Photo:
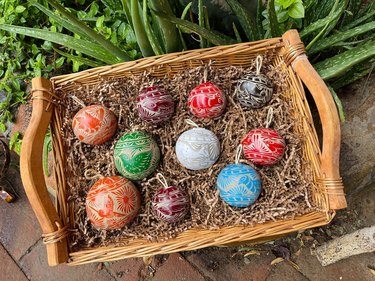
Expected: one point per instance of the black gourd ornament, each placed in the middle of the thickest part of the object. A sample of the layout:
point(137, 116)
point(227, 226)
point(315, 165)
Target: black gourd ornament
point(254, 90)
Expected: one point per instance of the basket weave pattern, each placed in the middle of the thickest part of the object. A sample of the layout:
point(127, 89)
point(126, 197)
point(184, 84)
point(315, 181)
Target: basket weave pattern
point(286, 52)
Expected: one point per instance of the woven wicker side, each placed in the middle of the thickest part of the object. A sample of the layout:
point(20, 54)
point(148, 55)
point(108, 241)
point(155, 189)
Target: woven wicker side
point(32, 173)
point(330, 177)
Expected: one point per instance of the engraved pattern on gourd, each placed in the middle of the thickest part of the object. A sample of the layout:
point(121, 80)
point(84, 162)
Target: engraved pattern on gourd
point(197, 148)
point(112, 202)
point(155, 105)
point(94, 124)
point(207, 101)
point(263, 146)
point(171, 204)
point(239, 185)
point(136, 155)
point(254, 91)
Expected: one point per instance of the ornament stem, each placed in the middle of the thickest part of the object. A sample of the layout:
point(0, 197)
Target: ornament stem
point(91, 174)
point(205, 74)
point(238, 153)
point(259, 62)
point(162, 180)
point(78, 101)
point(191, 123)
point(269, 117)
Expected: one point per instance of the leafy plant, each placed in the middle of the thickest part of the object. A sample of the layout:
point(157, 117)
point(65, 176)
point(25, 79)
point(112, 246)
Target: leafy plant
point(15, 143)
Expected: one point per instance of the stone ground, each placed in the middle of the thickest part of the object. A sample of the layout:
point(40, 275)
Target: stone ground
point(23, 255)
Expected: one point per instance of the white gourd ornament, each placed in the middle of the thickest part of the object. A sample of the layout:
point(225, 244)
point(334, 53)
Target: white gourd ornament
point(197, 148)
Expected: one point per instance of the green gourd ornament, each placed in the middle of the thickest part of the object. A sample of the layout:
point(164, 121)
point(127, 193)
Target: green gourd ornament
point(136, 155)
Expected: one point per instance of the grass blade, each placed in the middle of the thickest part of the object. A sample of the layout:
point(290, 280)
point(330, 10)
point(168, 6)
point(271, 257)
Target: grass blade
point(126, 9)
point(139, 29)
point(274, 24)
point(212, 37)
point(82, 60)
point(245, 19)
point(355, 73)
point(61, 21)
point(339, 106)
point(339, 37)
point(113, 5)
point(155, 45)
point(321, 23)
point(358, 21)
point(106, 44)
point(184, 13)
point(83, 46)
point(235, 30)
point(201, 22)
point(259, 23)
point(339, 64)
point(169, 31)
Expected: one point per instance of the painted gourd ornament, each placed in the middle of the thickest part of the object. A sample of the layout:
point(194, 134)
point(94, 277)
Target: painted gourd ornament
point(94, 124)
point(170, 203)
point(254, 90)
point(239, 185)
point(136, 155)
point(155, 105)
point(197, 149)
point(207, 101)
point(263, 146)
point(112, 203)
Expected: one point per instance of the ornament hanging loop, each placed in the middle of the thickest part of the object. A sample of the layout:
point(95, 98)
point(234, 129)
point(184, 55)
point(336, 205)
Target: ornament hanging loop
point(162, 180)
point(238, 153)
point(78, 101)
point(91, 174)
point(259, 63)
point(205, 75)
point(269, 117)
point(191, 123)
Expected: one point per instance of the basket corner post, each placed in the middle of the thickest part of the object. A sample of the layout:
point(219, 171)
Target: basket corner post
point(31, 169)
point(330, 179)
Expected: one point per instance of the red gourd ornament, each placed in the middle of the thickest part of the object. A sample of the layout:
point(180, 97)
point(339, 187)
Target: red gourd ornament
point(155, 105)
point(112, 203)
point(264, 146)
point(170, 203)
point(94, 124)
point(207, 100)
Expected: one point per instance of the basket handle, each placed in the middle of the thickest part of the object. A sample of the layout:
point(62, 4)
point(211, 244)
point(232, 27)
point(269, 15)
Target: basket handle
point(31, 167)
point(295, 55)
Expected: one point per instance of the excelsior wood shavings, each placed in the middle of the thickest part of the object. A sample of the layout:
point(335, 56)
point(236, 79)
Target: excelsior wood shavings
point(286, 185)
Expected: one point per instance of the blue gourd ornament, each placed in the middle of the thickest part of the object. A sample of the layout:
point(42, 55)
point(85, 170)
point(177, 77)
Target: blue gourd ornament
point(239, 184)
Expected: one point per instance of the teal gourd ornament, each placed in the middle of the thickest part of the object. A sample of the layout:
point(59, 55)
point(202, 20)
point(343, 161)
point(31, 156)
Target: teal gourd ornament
point(136, 155)
point(239, 184)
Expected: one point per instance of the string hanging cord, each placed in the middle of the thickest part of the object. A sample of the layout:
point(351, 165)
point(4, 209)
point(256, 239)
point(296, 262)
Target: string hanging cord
point(78, 101)
point(91, 174)
point(259, 63)
point(238, 154)
point(162, 180)
point(269, 118)
point(191, 123)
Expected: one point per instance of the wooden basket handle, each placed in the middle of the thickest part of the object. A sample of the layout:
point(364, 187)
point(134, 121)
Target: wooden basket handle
point(295, 55)
point(31, 166)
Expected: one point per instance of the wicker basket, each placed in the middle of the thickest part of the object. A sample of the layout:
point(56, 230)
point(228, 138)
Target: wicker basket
point(287, 51)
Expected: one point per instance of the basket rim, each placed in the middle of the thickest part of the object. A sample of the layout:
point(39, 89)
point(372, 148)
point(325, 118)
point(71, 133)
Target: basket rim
point(326, 179)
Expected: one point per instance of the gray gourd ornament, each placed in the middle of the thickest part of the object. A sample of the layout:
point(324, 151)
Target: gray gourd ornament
point(254, 90)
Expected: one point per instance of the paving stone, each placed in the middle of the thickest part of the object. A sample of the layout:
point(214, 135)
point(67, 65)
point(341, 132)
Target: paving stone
point(35, 266)
point(352, 269)
point(19, 228)
point(9, 269)
point(176, 268)
point(219, 265)
point(125, 270)
point(285, 272)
